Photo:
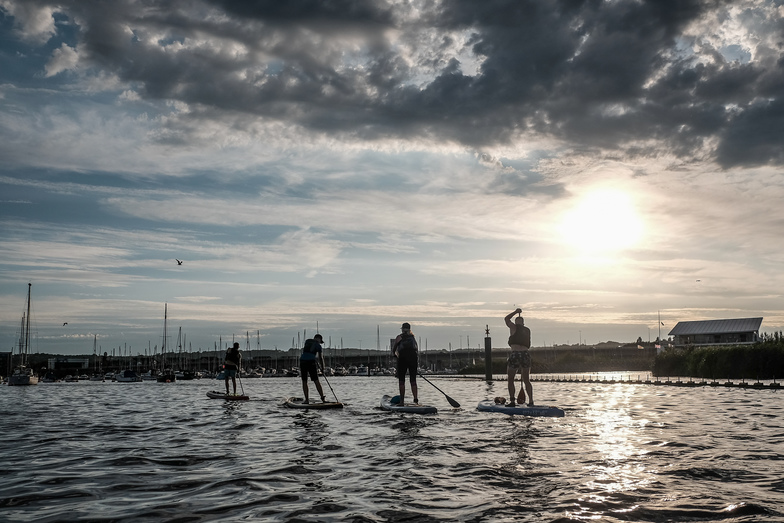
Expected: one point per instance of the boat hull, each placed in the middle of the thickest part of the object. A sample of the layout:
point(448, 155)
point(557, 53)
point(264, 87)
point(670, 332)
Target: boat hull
point(21, 380)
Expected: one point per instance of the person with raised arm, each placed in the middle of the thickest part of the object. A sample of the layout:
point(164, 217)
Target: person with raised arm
point(519, 358)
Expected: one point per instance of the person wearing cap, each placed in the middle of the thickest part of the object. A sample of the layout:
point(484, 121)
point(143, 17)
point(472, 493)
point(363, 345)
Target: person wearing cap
point(519, 358)
point(311, 355)
point(231, 365)
point(406, 351)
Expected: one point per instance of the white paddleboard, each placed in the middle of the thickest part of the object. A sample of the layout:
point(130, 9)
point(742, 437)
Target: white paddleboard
point(387, 403)
point(522, 410)
point(299, 403)
point(214, 394)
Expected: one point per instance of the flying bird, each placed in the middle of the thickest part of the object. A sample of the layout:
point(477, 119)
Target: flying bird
point(178, 261)
point(64, 324)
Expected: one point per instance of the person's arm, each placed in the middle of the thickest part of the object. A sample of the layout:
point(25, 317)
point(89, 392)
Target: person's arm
point(395, 344)
point(508, 318)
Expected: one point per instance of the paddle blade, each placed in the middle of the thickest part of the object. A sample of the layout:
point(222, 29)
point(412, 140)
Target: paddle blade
point(452, 402)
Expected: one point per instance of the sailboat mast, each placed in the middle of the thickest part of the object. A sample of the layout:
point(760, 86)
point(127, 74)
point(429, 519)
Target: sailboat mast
point(27, 325)
point(163, 344)
point(22, 333)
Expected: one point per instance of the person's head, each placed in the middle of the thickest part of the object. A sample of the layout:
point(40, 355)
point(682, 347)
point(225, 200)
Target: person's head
point(318, 338)
point(519, 321)
point(236, 345)
point(406, 327)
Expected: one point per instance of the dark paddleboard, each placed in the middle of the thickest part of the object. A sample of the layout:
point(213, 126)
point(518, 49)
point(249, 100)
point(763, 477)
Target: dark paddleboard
point(520, 410)
point(299, 403)
point(214, 394)
point(391, 403)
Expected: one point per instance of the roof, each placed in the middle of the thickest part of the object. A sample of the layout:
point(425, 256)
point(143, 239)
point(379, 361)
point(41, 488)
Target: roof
point(687, 328)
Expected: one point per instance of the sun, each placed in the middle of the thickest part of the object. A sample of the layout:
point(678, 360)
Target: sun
point(603, 220)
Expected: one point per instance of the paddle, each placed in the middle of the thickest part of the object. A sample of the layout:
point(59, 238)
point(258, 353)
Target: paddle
point(450, 400)
point(324, 374)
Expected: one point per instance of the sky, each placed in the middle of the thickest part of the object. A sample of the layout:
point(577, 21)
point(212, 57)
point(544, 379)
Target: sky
point(350, 165)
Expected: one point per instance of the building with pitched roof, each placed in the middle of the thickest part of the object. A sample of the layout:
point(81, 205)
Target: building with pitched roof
point(716, 332)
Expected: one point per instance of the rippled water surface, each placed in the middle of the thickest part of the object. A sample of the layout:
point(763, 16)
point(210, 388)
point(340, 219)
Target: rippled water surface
point(165, 452)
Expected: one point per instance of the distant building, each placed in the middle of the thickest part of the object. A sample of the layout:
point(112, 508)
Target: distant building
point(716, 332)
point(64, 362)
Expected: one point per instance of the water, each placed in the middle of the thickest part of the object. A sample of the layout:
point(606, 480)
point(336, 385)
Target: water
point(92, 451)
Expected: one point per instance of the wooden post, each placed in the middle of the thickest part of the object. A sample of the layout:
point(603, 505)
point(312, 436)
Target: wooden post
point(488, 355)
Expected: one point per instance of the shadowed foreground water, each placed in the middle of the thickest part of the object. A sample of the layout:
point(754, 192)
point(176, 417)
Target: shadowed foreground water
point(165, 452)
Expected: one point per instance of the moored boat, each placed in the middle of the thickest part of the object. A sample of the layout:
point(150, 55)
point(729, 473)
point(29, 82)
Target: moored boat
point(22, 374)
point(166, 375)
point(127, 376)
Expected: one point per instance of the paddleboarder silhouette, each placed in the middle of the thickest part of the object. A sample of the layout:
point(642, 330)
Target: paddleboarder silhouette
point(519, 358)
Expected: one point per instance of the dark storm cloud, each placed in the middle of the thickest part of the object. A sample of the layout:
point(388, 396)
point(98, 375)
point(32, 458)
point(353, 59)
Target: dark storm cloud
point(608, 75)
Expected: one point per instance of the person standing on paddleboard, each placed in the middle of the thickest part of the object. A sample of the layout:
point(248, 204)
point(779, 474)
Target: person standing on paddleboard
point(232, 365)
point(311, 353)
point(519, 359)
point(406, 351)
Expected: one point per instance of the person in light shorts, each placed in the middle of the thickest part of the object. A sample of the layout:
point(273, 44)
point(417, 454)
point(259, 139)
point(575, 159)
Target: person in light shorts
point(519, 359)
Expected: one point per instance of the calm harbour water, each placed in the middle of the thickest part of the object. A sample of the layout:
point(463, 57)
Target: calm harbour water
point(92, 451)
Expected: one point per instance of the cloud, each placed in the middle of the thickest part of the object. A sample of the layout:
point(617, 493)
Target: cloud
point(33, 20)
point(608, 75)
point(308, 158)
point(63, 59)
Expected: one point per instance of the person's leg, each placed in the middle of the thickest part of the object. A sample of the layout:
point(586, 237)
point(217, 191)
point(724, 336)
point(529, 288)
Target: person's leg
point(528, 386)
point(234, 384)
point(319, 389)
point(413, 368)
point(227, 381)
point(510, 381)
point(305, 387)
point(401, 379)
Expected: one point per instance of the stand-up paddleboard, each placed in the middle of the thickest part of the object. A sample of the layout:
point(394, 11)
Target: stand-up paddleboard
point(391, 403)
point(214, 394)
point(521, 410)
point(299, 403)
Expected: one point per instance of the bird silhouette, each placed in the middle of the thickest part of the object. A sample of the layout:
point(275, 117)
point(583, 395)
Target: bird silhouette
point(178, 262)
point(64, 324)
